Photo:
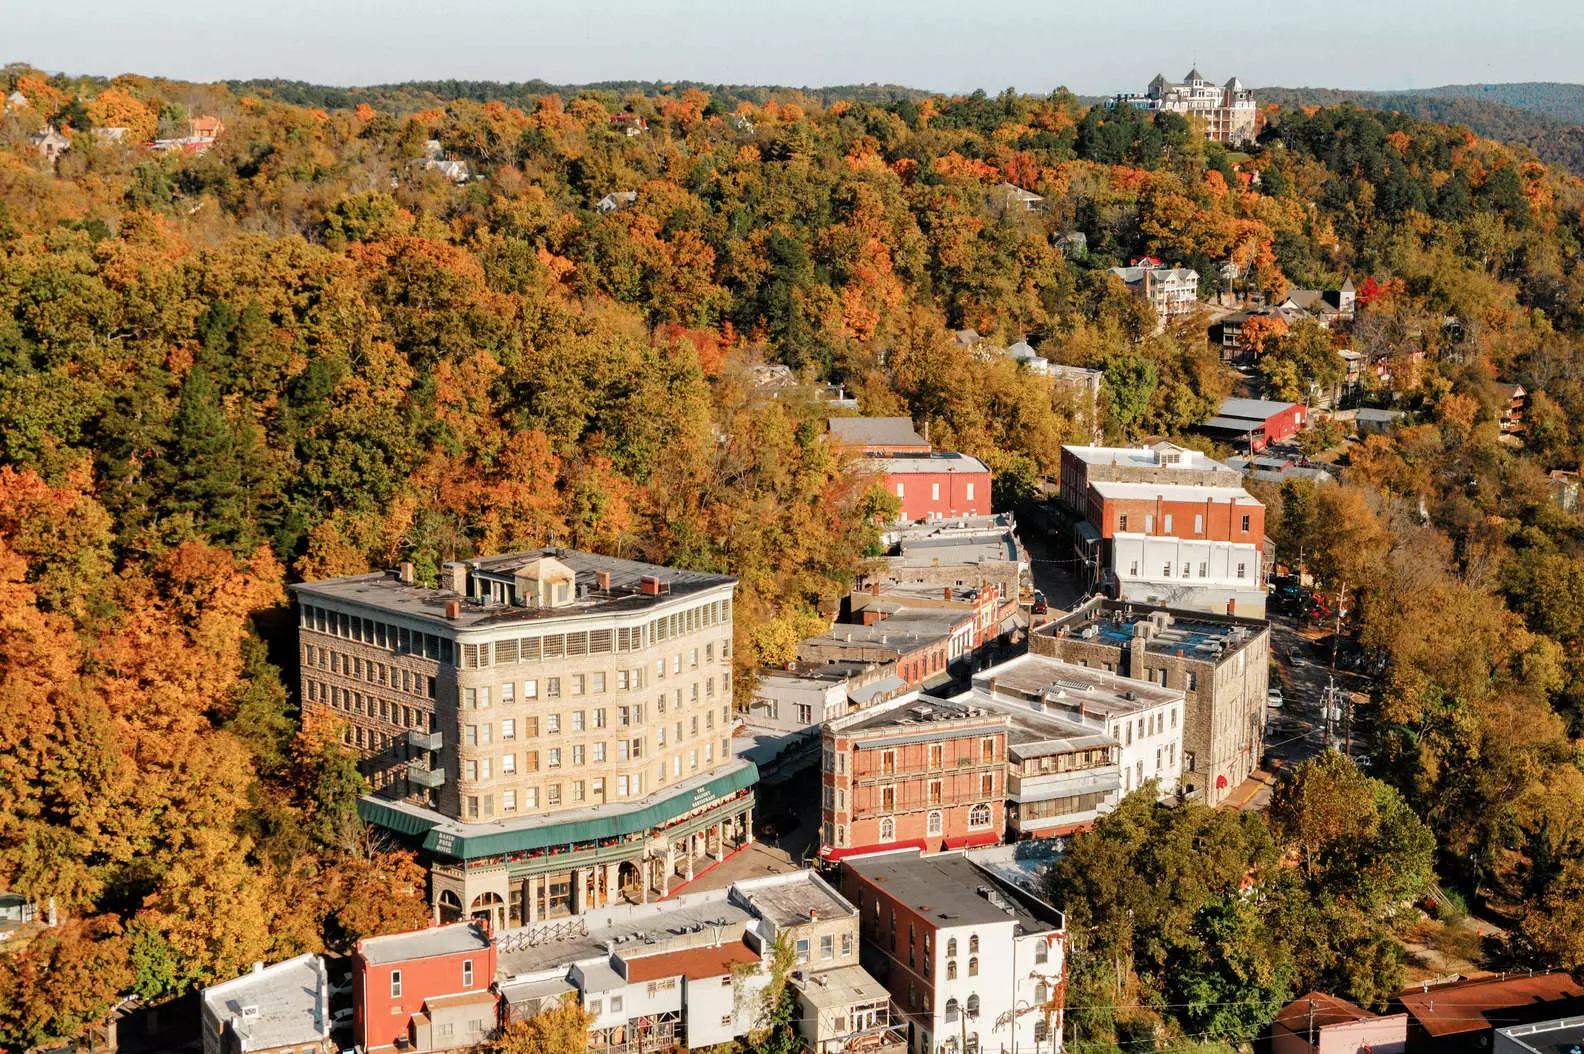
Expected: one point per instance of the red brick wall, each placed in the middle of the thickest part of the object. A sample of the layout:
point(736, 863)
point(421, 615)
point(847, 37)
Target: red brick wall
point(961, 773)
point(380, 1018)
point(1221, 521)
point(919, 493)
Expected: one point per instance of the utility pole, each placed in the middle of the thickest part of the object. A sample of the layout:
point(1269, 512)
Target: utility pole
point(1336, 638)
point(1347, 724)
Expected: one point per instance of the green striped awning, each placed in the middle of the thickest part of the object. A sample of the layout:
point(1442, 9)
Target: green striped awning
point(440, 835)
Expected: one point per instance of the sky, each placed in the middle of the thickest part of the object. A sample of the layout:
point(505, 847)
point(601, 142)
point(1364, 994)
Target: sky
point(1092, 47)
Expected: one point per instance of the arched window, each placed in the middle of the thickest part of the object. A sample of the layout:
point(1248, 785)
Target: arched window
point(1041, 952)
point(973, 966)
point(973, 943)
point(951, 1011)
point(887, 829)
point(973, 1006)
point(951, 969)
point(1041, 994)
point(979, 816)
point(951, 947)
point(935, 822)
point(450, 906)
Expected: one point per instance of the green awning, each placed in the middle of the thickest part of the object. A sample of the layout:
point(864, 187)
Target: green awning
point(526, 839)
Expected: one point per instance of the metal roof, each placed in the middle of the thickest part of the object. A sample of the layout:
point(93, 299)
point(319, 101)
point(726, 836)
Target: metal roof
point(455, 939)
point(874, 431)
point(288, 1002)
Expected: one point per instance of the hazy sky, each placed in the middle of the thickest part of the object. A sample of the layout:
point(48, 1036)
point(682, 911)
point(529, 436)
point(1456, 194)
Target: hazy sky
point(1093, 47)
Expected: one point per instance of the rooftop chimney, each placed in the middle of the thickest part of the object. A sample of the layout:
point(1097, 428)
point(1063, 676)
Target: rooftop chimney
point(453, 609)
point(406, 574)
point(945, 592)
point(455, 577)
point(602, 579)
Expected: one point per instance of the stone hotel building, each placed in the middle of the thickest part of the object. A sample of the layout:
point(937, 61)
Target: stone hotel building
point(551, 728)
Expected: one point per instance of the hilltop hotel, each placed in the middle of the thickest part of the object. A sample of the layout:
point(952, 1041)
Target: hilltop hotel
point(551, 728)
point(1228, 112)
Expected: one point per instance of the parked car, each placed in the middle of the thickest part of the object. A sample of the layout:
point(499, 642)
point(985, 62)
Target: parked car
point(1296, 659)
point(1273, 698)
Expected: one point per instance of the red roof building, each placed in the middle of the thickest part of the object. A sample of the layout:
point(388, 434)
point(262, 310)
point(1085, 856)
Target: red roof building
point(1323, 1024)
point(1461, 1016)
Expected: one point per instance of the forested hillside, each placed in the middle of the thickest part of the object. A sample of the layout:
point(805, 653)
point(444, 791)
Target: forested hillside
point(1546, 118)
point(307, 352)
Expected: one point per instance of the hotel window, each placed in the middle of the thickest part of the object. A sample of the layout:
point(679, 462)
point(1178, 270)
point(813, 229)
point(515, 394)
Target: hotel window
point(887, 829)
point(469, 699)
point(935, 792)
point(1133, 569)
point(472, 808)
point(935, 822)
point(531, 798)
point(553, 794)
point(621, 786)
point(1166, 570)
point(508, 801)
point(621, 750)
point(467, 973)
point(888, 798)
point(577, 754)
point(900, 494)
point(530, 689)
point(577, 790)
point(599, 751)
point(1121, 523)
point(935, 755)
point(621, 680)
point(552, 687)
point(987, 785)
point(552, 724)
point(597, 682)
point(577, 720)
point(579, 684)
point(987, 749)
point(508, 764)
point(508, 693)
point(1149, 523)
point(1186, 569)
point(599, 718)
point(553, 758)
point(1166, 524)
point(1204, 570)
point(935, 492)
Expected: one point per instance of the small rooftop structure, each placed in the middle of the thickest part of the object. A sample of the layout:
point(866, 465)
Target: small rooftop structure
point(1164, 631)
point(282, 1005)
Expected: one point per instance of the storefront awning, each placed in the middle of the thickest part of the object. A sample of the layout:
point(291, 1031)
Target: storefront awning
point(449, 838)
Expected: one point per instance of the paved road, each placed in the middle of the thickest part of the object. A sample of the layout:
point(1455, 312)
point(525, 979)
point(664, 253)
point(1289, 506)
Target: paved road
point(1297, 731)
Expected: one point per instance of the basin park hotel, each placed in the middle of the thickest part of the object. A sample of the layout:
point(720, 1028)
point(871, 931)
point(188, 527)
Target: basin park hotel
point(551, 728)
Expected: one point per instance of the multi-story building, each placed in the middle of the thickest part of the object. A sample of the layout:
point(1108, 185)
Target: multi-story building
point(935, 486)
point(1082, 386)
point(1219, 663)
point(1229, 112)
point(1080, 740)
point(975, 964)
point(912, 772)
point(1171, 291)
point(967, 551)
point(687, 973)
point(551, 728)
point(426, 990)
point(283, 1008)
point(1167, 526)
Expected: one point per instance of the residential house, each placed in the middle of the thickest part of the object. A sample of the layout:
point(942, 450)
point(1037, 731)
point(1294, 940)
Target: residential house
point(427, 990)
point(1024, 355)
point(974, 963)
point(1173, 292)
point(1229, 112)
point(205, 127)
point(617, 200)
point(1463, 1016)
point(49, 143)
point(1220, 663)
point(1323, 1024)
point(1563, 486)
point(628, 124)
point(1074, 245)
point(112, 134)
point(1011, 197)
point(1369, 421)
point(548, 728)
point(912, 772)
point(1325, 306)
point(1083, 387)
point(16, 101)
point(283, 1008)
point(1511, 399)
point(1278, 468)
point(776, 380)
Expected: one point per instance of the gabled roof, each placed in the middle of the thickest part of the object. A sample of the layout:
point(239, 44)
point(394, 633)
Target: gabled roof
point(1193, 75)
point(874, 431)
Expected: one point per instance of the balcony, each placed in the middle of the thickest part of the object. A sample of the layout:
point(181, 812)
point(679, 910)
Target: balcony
point(423, 776)
point(421, 740)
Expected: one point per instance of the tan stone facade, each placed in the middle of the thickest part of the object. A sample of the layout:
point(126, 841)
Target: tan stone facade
point(532, 696)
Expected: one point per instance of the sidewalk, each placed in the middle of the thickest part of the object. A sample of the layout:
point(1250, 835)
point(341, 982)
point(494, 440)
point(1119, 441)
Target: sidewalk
point(1252, 793)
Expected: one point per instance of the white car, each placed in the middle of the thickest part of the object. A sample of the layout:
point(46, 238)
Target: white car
point(1273, 698)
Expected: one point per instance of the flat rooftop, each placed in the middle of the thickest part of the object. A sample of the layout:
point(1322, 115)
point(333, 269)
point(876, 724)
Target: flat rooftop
point(1547, 1037)
point(965, 548)
point(1172, 492)
point(939, 461)
point(562, 942)
point(386, 592)
point(1258, 408)
point(922, 711)
point(948, 889)
point(827, 673)
point(904, 631)
point(1187, 634)
point(792, 899)
point(842, 987)
point(291, 997)
point(1030, 681)
point(1188, 460)
point(424, 944)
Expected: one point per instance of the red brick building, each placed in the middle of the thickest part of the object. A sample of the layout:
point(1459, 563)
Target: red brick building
point(938, 486)
point(1213, 514)
point(427, 990)
point(915, 772)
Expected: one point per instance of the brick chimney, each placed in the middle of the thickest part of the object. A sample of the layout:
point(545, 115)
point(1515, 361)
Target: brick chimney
point(602, 579)
point(406, 575)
